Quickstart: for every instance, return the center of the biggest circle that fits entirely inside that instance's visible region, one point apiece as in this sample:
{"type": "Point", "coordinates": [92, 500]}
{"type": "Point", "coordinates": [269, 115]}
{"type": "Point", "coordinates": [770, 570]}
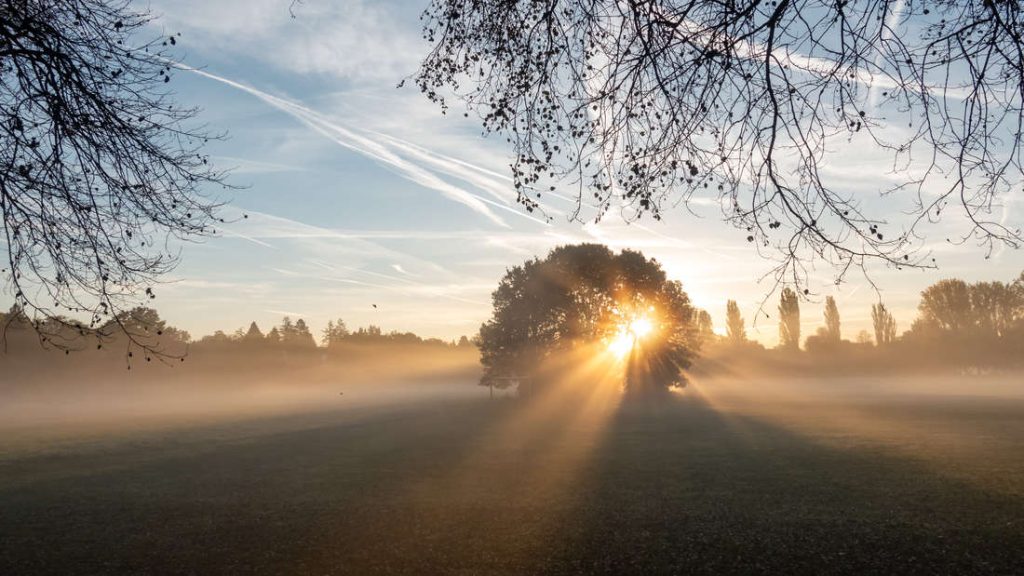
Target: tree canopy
{"type": "Point", "coordinates": [584, 297]}
{"type": "Point", "coordinates": [639, 105]}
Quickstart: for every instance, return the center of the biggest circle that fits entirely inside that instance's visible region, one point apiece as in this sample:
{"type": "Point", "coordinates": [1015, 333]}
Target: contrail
{"type": "Point", "coordinates": [348, 139]}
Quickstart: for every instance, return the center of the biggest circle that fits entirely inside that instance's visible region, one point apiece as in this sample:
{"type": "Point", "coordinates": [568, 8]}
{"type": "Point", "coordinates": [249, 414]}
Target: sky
{"type": "Point", "coordinates": [360, 193]}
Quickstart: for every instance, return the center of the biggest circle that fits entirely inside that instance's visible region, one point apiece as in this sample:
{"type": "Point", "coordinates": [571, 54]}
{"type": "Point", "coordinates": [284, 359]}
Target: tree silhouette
{"type": "Point", "coordinates": [884, 325]}
{"type": "Point", "coordinates": [996, 307]}
{"type": "Point", "coordinates": [580, 295]}
{"type": "Point", "coordinates": [302, 337]}
{"type": "Point", "coordinates": [98, 166]}
{"type": "Point", "coordinates": [734, 326]}
{"type": "Point", "coordinates": [253, 335]}
{"type": "Point", "coordinates": [705, 326]}
{"type": "Point", "coordinates": [946, 305]}
{"type": "Point", "coordinates": [832, 328]}
{"type": "Point", "coordinates": [335, 333]}
{"type": "Point", "coordinates": [144, 330]}
{"type": "Point", "coordinates": [639, 105]}
{"type": "Point", "coordinates": [789, 319]}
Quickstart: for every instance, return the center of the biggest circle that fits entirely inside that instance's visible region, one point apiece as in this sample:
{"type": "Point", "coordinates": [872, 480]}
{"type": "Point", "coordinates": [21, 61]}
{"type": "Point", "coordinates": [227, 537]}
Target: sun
{"type": "Point", "coordinates": [629, 334]}
{"type": "Point", "coordinates": [641, 327]}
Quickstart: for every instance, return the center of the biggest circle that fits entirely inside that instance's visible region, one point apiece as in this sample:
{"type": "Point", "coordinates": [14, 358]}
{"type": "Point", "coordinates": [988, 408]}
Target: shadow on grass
{"type": "Point", "coordinates": [483, 487]}
{"type": "Point", "coordinates": [681, 488]}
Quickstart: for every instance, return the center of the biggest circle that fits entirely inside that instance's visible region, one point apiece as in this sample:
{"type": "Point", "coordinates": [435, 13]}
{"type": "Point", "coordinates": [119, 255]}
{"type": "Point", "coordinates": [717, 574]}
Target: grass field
{"type": "Point", "coordinates": [866, 476]}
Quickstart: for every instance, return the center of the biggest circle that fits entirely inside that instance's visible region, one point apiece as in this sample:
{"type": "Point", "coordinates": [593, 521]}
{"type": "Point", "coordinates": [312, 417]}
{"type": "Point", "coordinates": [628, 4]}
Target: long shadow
{"type": "Point", "coordinates": [679, 488]}
{"type": "Point", "coordinates": [671, 486]}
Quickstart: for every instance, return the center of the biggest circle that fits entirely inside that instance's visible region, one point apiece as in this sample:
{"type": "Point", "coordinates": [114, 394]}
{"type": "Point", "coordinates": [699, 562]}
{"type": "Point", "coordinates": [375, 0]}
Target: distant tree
{"type": "Point", "coordinates": [464, 342]}
{"type": "Point", "coordinates": [705, 327]}
{"type": "Point", "coordinates": [884, 325]}
{"type": "Point", "coordinates": [300, 336]}
{"type": "Point", "coordinates": [98, 165]}
{"type": "Point", "coordinates": [142, 327]}
{"type": "Point", "coordinates": [403, 337]}
{"type": "Point", "coordinates": [287, 330]}
{"type": "Point", "coordinates": [864, 338]}
{"type": "Point", "coordinates": [218, 338]}
{"type": "Point", "coordinates": [789, 319]}
{"type": "Point", "coordinates": [734, 326]}
{"type": "Point", "coordinates": [996, 307]}
{"type": "Point", "coordinates": [639, 105]}
{"type": "Point", "coordinates": [335, 333]}
{"type": "Point", "coordinates": [832, 328]}
{"type": "Point", "coordinates": [578, 297]}
{"type": "Point", "coordinates": [820, 342]}
{"type": "Point", "coordinates": [1018, 291]}
{"type": "Point", "coordinates": [946, 306]}
{"type": "Point", "coordinates": [253, 335]}
{"type": "Point", "coordinates": [295, 334]}
{"type": "Point", "coordinates": [274, 336]}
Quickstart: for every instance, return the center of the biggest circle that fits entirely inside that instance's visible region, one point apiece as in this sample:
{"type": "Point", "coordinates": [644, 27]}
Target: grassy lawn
{"type": "Point", "coordinates": [687, 484]}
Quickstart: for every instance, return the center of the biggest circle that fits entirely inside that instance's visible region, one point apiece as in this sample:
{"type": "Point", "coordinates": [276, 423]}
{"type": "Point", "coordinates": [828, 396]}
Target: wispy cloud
{"type": "Point", "coordinates": [350, 139]}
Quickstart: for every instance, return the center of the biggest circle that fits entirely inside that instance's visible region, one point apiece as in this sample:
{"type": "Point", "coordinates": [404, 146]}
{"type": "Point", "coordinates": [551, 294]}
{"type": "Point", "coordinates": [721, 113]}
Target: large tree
{"type": "Point", "coordinates": [576, 299]}
{"type": "Point", "coordinates": [99, 167]}
{"type": "Point", "coordinates": [639, 105]}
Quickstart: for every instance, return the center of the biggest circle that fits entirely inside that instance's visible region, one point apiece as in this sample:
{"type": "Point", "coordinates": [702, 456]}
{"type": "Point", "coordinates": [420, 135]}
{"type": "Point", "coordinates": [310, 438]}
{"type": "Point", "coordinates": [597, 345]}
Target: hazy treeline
{"type": "Point", "coordinates": [144, 328]}
{"type": "Point", "coordinates": [296, 335]}
{"type": "Point", "coordinates": [958, 326]}
{"type": "Point", "coordinates": [140, 340]}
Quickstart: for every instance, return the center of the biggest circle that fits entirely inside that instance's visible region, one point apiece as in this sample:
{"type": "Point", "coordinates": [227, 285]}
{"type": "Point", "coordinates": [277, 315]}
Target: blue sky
{"type": "Point", "coordinates": [360, 193]}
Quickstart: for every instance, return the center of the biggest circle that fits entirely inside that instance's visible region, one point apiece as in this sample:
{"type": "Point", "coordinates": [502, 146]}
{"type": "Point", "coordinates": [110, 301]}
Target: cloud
{"type": "Point", "coordinates": [351, 140]}
{"type": "Point", "coordinates": [354, 40]}
{"type": "Point", "coordinates": [381, 152]}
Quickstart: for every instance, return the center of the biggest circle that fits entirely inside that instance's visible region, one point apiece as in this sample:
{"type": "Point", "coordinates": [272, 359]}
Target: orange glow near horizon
{"type": "Point", "coordinates": [629, 334]}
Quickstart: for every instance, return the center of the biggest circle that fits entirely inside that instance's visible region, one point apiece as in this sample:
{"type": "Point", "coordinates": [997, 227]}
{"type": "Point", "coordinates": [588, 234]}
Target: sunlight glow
{"type": "Point", "coordinates": [622, 343]}
{"type": "Point", "coordinates": [641, 327]}
{"type": "Point", "coordinates": [628, 335]}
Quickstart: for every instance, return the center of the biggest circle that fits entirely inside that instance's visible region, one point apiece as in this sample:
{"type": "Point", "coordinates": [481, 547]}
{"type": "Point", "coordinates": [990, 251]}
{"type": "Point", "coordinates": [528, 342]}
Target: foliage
{"type": "Point", "coordinates": [983, 309]}
{"type": "Point", "coordinates": [736, 332]}
{"type": "Point", "coordinates": [253, 334]}
{"type": "Point", "coordinates": [789, 319]}
{"type": "Point", "coordinates": [832, 328]}
{"type": "Point", "coordinates": [576, 297]}
{"type": "Point", "coordinates": [705, 326]}
{"type": "Point", "coordinates": [884, 325]}
{"type": "Point", "coordinates": [335, 333]}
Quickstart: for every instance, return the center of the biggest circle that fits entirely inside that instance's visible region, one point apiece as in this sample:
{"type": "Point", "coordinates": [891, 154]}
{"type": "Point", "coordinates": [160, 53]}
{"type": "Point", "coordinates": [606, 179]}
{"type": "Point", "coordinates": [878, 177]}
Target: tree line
{"type": "Point", "coordinates": [141, 332]}
{"type": "Point", "coordinates": [979, 323]}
